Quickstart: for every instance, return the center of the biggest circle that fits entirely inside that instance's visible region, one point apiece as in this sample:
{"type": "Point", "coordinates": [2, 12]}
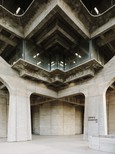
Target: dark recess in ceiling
{"type": "Point", "coordinates": [12, 5]}
{"type": "Point", "coordinates": [101, 5]}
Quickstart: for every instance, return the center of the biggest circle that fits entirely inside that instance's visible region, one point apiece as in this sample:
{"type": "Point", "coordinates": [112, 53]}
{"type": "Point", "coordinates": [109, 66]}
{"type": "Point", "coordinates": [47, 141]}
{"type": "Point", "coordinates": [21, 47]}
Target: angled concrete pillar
{"type": "Point", "coordinates": [12, 118]}
{"type": "Point", "coordinates": [95, 121]}
{"type": "Point", "coordinates": [19, 125]}
{"type": "Point", "coordinates": [85, 136]}
{"type": "Point", "coordinates": [102, 115]}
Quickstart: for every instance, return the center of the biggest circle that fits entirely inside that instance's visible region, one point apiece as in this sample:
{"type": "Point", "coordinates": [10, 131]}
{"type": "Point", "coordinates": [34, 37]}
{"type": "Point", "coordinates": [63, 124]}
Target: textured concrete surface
{"type": "Point", "coordinates": [3, 114]}
{"type": "Point", "coordinates": [49, 145]}
{"type": "Point", "coordinates": [103, 143]}
{"type": "Point", "coordinates": [111, 111]}
{"type": "Point", "coordinates": [57, 118]}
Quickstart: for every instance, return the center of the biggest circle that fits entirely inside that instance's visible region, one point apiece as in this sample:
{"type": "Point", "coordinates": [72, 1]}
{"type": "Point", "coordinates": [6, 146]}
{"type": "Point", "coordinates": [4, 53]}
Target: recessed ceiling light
{"type": "Point", "coordinates": [52, 62]}
{"type": "Point", "coordinates": [39, 63]}
{"type": "Point", "coordinates": [79, 56]}
{"type": "Point", "coordinates": [96, 10]}
{"type": "Point", "coordinates": [34, 56]}
{"type": "Point", "coordinates": [61, 64]}
{"type": "Point", "coordinates": [18, 10]}
{"type": "Point", "coordinates": [76, 54]}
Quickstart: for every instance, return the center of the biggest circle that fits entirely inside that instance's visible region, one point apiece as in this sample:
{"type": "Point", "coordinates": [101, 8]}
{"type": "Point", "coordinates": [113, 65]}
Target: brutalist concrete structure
{"type": "Point", "coordinates": [57, 70]}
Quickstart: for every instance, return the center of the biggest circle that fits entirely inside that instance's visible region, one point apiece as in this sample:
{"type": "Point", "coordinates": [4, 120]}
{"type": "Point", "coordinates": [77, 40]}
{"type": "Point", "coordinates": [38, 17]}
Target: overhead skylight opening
{"type": "Point", "coordinates": [18, 10]}
{"type": "Point", "coordinates": [96, 10]}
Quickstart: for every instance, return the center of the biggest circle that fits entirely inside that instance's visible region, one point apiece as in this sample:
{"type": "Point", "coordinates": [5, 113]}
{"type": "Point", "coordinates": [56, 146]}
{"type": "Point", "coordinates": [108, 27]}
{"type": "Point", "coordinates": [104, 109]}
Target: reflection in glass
{"type": "Point", "coordinates": [48, 60]}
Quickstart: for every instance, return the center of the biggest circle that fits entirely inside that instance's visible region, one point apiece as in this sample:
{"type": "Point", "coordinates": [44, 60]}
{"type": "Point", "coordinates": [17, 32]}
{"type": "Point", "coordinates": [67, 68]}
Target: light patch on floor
{"type": "Point", "coordinates": [49, 145]}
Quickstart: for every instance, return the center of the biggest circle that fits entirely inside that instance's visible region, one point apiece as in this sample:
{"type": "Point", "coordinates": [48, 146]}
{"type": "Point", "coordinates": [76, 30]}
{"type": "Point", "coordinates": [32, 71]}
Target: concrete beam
{"type": "Point", "coordinates": [57, 42]}
{"type": "Point", "coordinates": [2, 87]}
{"type": "Point", "coordinates": [43, 101]}
{"type": "Point", "coordinates": [5, 44]}
{"type": "Point", "coordinates": [0, 29]}
{"type": "Point", "coordinates": [41, 39]}
{"type": "Point", "coordinates": [106, 39]}
{"type": "Point", "coordinates": [111, 47]}
{"type": "Point", "coordinates": [101, 30]}
{"type": "Point", "coordinates": [13, 28]}
{"type": "Point", "coordinates": [41, 17]}
{"type": "Point", "coordinates": [112, 86]}
{"type": "Point", "coordinates": [7, 40]}
{"type": "Point", "coordinates": [55, 6]}
{"type": "Point", "coordinates": [71, 18]}
{"type": "Point", "coordinates": [71, 102]}
{"type": "Point", "coordinates": [67, 35]}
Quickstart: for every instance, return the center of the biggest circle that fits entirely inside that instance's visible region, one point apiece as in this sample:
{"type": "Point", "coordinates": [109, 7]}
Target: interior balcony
{"type": "Point", "coordinates": [54, 67]}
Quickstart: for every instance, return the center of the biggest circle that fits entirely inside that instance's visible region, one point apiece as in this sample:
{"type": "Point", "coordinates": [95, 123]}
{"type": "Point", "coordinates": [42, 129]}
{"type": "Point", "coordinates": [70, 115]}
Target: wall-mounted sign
{"type": "Point", "coordinates": [92, 119]}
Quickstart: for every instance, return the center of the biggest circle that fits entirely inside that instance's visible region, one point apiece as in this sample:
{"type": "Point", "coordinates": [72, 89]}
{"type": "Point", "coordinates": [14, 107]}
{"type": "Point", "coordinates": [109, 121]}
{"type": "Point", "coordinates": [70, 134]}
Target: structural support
{"type": "Point", "coordinates": [95, 121]}
{"type": "Point", "coordinates": [102, 115]}
{"type": "Point", "coordinates": [19, 117]}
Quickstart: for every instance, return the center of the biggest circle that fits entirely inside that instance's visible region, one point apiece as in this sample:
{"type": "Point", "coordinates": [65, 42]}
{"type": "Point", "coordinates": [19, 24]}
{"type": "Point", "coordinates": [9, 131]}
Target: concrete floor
{"type": "Point", "coordinates": [49, 145]}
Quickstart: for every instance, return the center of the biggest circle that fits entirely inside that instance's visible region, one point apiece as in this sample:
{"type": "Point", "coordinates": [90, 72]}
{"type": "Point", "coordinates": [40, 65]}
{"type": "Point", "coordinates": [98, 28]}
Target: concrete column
{"type": "Point", "coordinates": [29, 133]}
{"type": "Point", "coordinates": [35, 113]}
{"type": "Point", "coordinates": [19, 117]}
{"type": "Point", "coordinates": [95, 116]}
{"type": "Point", "coordinates": [12, 118]}
{"type": "Point", "coordinates": [102, 115]}
{"type": "Point", "coordinates": [3, 114]}
{"type": "Point", "coordinates": [85, 136]}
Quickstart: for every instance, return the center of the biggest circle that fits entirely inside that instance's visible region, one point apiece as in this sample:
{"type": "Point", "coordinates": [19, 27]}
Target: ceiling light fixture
{"type": "Point", "coordinates": [18, 10]}
{"type": "Point", "coordinates": [74, 62]}
{"type": "Point", "coordinates": [61, 64]}
{"type": "Point", "coordinates": [34, 56]}
{"type": "Point", "coordinates": [76, 54]}
{"type": "Point", "coordinates": [39, 63]}
{"type": "Point", "coordinates": [79, 56]}
{"type": "Point", "coordinates": [52, 62]}
{"type": "Point", "coordinates": [96, 10]}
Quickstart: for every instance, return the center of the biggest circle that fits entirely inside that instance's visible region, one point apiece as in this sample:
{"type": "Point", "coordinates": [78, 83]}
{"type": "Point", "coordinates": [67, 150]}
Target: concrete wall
{"type": "Point", "coordinates": [57, 118]}
{"type": "Point", "coordinates": [51, 119]}
{"type": "Point", "coordinates": [111, 111]}
{"type": "Point", "coordinates": [35, 118]}
{"type": "Point", "coordinates": [79, 120]}
{"type": "Point", "coordinates": [3, 114]}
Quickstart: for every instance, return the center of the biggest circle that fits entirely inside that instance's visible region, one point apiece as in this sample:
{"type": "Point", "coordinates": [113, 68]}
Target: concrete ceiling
{"type": "Point", "coordinates": [12, 5]}
{"type": "Point", "coordinates": [102, 5]}
{"type": "Point", "coordinates": [52, 26]}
